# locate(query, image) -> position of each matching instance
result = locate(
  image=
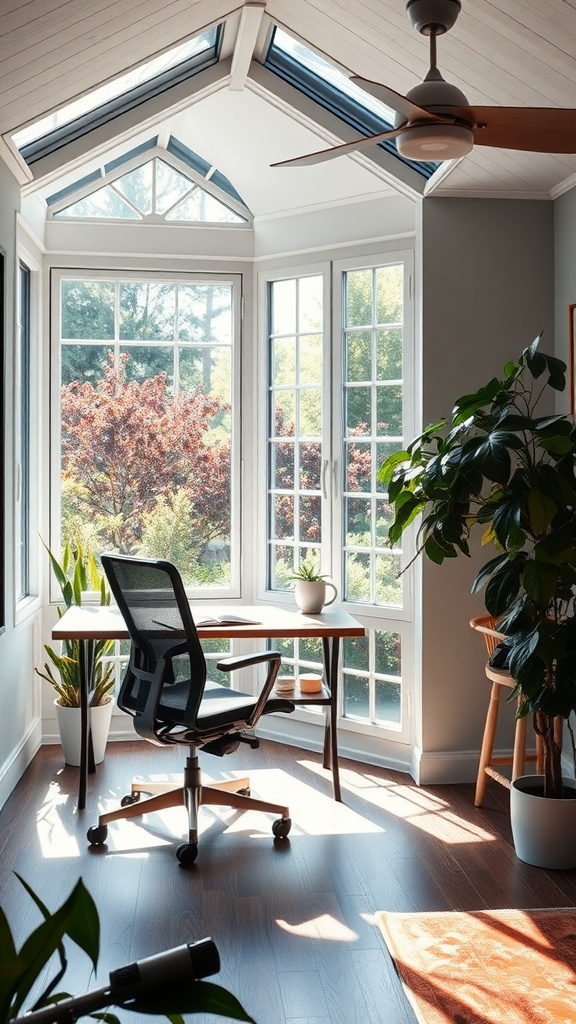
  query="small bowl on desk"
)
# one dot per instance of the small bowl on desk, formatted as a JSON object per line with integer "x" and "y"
{"x": 310, "y": 682}
{"x": 284, "y": 684}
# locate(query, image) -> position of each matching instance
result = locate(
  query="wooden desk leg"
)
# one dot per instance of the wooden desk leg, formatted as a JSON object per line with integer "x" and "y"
{"x": 86, "y": 658}
{"x": 331, "y": 651}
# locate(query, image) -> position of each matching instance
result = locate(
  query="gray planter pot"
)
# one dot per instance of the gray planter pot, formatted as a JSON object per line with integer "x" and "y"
{"x": 544, "y": 830}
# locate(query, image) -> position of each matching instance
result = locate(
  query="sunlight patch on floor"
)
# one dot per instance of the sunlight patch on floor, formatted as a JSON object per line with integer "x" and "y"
{"x": 407, "y": 801}
{"x": 324, "y": 927}
{"x": 54, "y": 838}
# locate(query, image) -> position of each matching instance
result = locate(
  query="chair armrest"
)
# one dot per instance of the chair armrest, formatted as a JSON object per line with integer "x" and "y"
{"x": 245, "y": 660}
{"x": 274, "y": 658}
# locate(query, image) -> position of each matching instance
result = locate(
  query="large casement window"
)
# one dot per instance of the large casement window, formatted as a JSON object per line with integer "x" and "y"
{"x": 146, "y": 396}
{"x": 340, "y": 399}
{"x": 22, "y": 427}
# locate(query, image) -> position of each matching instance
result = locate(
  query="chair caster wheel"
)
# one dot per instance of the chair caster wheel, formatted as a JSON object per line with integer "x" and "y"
{"x": 130, "y": 798}
{"x": 187, "y": 853}
{"x": 281, "y": 828}
{"x": 96, "y": 835}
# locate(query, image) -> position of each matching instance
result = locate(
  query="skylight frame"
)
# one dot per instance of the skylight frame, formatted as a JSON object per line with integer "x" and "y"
{"x": 337, "y": 101}
{"x": 100, "y": 115}
{"x": 134, "y": 159}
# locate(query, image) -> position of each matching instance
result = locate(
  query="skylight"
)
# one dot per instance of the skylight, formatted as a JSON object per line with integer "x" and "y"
{"x": 154, "y": 191}
{"x": 333, "y": 90}
{"x": 103, "y": 104}
{"x": 330, "y": 73}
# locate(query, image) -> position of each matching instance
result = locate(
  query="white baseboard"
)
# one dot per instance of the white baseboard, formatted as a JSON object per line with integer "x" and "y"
{"x": 14, "y": 767}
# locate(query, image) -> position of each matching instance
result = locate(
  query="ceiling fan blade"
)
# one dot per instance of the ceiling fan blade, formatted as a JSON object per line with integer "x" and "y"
{"x": 531, "y": 129}
{"x": 411, "y": 111}
{"x": 347, "y": 147}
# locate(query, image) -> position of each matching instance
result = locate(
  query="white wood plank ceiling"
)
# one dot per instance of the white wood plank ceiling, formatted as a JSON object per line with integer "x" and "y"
{"x": 501, "y": 52}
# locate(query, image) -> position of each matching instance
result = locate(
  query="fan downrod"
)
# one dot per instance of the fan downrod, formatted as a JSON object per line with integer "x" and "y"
{"x": 433, "y": 16}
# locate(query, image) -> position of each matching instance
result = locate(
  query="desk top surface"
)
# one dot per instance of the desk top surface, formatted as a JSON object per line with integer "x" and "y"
{"x": 95, "y": 622}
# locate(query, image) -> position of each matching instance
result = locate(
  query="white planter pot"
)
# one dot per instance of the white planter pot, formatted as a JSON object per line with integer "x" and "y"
{"x": 70, "y": 731}
{"x": 310, "y": 595}
{"x": 543, "y": 829}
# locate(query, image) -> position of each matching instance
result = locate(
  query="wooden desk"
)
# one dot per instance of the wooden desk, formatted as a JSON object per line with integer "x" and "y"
{"x": 89, "y": 623}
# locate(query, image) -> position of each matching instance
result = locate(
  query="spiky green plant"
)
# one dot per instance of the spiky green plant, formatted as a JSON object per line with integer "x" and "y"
{"x": 307, "y": 570}
{"x": 76, "y": 573}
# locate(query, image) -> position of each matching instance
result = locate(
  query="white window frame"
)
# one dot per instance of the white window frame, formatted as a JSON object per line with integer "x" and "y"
{"x": 193, "y": 276}
{"x": 27, "y": 604}
{"x": 399, "y": 620}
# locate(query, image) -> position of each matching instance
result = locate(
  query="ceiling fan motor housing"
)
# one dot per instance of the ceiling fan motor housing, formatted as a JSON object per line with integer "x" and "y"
{"x": 435, "y": 141}
{"x": 428, "y": 16}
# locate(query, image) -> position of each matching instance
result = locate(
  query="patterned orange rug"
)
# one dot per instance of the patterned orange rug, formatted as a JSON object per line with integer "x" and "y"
{"x": 489, "y": 967}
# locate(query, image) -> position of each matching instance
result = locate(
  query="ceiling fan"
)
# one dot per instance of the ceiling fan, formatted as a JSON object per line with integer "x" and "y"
{"x": 434, "y": 121}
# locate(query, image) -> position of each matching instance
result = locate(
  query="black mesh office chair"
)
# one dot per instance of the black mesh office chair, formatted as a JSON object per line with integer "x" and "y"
{"x": 166, "y": 691}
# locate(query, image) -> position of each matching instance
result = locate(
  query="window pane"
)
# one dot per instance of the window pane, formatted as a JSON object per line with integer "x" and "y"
{"x": 146, "y": 361}
{"x": 170, "y": 186}
{"x": 310, "y": 304}
{"x": 284, "y": 307}
{"x": 389, "y": 354}
{"x": 359, "y": 297}
{"x": 147, "y": 428}
{"x": 201, "y": 206}
{"x": 359, "y": 356}
{"x": 205, "y": 313}
{"x": 137, "y": 187}
{"x": 389, "y": 294}
{"x": 311, "y": 359}
{"x": 208, "y": 368}
{"x": 283, "y": 361}
{"x": 105, "y": 203}
{"x": 147, "y": 311}
{"x": 389, "y": 410}
{"x": 87, "y": 309}
{"x": 85, "y": 362}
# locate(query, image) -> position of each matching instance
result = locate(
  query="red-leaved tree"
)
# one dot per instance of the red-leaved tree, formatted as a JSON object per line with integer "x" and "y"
{"x": 128, "y": 446}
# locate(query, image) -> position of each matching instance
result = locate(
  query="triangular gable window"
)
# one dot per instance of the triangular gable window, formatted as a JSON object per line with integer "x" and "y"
{"x": 154, "y": 191}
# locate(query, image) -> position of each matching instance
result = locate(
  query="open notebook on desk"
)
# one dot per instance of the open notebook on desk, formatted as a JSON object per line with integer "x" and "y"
{"x": 226, "y": 620}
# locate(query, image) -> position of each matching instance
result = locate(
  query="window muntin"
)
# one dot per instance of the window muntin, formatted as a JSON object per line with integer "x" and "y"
{"x": 332, "y": 89}
{"x": 22, "y": 431}
{"x": 295, "y": 425}
{"x": 103, "y": 104}
{"x": 149, "y": 420}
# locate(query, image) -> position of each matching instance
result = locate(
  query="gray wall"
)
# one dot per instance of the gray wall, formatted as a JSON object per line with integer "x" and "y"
{"x": 487, "y": 291}
{"x": 564, "y": 269}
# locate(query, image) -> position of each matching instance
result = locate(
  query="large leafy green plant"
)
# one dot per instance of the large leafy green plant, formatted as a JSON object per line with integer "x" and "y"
{"x": 77, "y": 918}
{"x": 497, "y": 465}
{"x": 75, "y": 574}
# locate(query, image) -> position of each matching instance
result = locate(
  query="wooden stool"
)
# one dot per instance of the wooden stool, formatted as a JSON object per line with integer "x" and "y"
{"x": 489, "y": 764}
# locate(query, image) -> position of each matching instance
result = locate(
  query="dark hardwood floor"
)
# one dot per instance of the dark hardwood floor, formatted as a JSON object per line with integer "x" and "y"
{"x": 295, "y": 922}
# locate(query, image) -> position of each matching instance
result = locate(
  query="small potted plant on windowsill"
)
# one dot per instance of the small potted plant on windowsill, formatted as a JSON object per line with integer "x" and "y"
{"x": 498, "y": 465}
{"x": 77, "y": 573}
{"x": 310, "y": 588}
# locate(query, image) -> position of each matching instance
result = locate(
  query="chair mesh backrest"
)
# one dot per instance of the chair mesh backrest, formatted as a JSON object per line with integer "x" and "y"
{"x": 151, "y": 596}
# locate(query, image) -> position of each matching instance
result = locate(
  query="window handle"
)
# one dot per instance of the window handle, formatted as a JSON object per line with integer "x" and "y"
{"x": 325, "y": 469}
